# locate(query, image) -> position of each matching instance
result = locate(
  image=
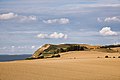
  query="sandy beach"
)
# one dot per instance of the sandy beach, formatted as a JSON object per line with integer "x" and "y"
{"x": 81, "y": 65}
{"x": 59, "y": 39}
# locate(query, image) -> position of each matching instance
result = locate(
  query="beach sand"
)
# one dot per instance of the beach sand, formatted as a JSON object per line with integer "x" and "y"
{"x": 76, "y": 65}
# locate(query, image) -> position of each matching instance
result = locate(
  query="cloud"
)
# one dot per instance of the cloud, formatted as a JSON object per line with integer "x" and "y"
{"x": 106, "y": 31}
{"x": 99, "y": 20}
{"x": 58, "y": 35}
{"x": 28, "y": 18}
{"x": 21, "y": 18}
{"x": 104, "y": 5}
{"x": 7, "y": 16}
{"x": 97, "y": 5}
{"x": 111, "y": 19}
{"x": 116, "y": 43}
{"x": 54, "y": 35}
{"x": 13, "y": 46}
{"x": 42, "y": 36}
{"x": 32, "y": 47}
{"x": 57, "y": 21}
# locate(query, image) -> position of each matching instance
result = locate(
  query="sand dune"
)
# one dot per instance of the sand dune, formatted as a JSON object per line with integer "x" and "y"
{"x": 85, "y": 66}
{"x": 88, "y": 54}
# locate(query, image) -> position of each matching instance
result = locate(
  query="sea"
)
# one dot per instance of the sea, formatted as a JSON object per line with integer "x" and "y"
{"x": 6, "y": 58}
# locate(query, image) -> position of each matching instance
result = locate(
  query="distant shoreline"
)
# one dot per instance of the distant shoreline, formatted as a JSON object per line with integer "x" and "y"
{"x": 5, "y": 58}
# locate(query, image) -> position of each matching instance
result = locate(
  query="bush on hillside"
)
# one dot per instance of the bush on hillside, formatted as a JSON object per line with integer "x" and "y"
{"x": 56, "y": 55}
{"x": 98, "y": 57}
{"x": 113, "y": 56}
{"x": 106, "y": 56}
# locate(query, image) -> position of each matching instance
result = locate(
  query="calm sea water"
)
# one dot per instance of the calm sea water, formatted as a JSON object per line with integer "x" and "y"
{"x": 4, "y": 58}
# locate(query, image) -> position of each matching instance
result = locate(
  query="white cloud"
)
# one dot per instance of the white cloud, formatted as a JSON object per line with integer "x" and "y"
{"x": 32, "y": 47}
{"x": 7, "y": 16}
{"x": 106, "y": 31}
{"x": 57, "y": 21}
{"x": 54, "y": 35}
{"x": 58, "y": 35}
{"x": 27, "y": 18}
{"x": 97, "y": 5}
{"x": 13, "y": 46}
{"x": 62, "y": 43}
{"x": 104, "y": 5}
{"x": 22, "y": 47}
{"x": 22, "y": 18}
{"x": 116, "y": 43}
{"x": 99, "y": 20}
{"x": 111, "y": 19}
{"x": 42, "y": 36}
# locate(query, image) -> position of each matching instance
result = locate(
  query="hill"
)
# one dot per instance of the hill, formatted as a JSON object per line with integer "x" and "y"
{"x": 50, "y": 50}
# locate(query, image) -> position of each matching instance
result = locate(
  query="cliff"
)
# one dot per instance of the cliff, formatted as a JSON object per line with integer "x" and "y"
{"x": 50, "y": 50}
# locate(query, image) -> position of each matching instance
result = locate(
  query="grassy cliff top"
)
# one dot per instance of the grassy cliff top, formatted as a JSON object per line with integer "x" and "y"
{"x": 51, "y": 50}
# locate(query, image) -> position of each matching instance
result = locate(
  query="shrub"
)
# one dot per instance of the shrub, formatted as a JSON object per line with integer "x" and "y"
{"x": 74, "y": 57}
{"x": 106, "y": 57}
{"x": 40, "y": 57}
{"x": 98, "y": 57}
{"x": 56, "y": 55}
{"x": 113, "y": 56}
{"x": 30, "y": 58}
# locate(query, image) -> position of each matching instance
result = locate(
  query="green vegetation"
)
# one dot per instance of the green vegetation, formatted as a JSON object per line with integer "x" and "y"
{"x": 113, "y": 56}
{"x": 50, "y": 50}
{"x": 98, "y": 57}
{"x": 30, "y": 58}
{"x": 110, "y": 46}
{"x": 106, "y": 56}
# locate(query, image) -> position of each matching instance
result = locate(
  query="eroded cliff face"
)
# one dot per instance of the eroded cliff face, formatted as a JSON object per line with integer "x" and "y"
{"x": 40, "y": 51}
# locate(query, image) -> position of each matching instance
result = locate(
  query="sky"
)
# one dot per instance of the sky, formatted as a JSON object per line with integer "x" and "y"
{"x": 26, "y": 25}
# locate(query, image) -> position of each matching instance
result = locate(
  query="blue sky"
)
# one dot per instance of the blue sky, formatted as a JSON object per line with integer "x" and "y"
{"x": 25, "y": 25}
